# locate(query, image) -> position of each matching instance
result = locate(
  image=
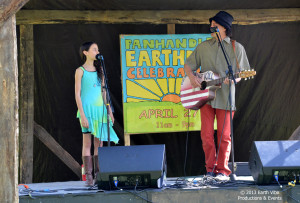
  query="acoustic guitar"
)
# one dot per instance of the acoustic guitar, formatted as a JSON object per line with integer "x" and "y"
{"x": 195, "y": 98}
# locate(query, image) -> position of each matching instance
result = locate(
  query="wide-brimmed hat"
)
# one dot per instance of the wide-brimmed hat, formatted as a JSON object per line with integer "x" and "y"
{"x": 223, "y": 18}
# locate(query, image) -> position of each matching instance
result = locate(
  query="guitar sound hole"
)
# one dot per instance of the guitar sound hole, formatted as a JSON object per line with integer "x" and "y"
{"x": 203, "y": 85}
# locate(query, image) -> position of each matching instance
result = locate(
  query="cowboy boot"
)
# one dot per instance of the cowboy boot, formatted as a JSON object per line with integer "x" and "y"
{"x": 88, "y": 167}
{"x": 96, "y": 167}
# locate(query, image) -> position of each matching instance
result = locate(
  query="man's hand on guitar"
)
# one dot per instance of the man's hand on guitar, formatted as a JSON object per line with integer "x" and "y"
{"x": 195, "y": 81}
{"x": 226, "y": 81}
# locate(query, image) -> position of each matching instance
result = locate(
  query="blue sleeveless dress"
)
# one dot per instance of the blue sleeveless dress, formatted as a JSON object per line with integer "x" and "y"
{"x": 94, "y": 108}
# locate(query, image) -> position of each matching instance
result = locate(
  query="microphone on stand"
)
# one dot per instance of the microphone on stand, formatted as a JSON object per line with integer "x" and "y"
{"x": 217, "y": 32}
{"x": 99, "y": 57}
{"x": 214, "y": 29}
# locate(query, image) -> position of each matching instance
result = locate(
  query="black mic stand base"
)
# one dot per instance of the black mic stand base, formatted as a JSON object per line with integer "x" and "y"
{"x": 232, "y": 177}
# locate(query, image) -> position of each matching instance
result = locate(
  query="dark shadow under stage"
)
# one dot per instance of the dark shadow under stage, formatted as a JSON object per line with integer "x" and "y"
{"x": 177, "y": 190}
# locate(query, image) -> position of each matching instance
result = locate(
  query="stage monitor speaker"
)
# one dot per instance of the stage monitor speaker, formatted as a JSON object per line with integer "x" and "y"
{"x": 129, "y": 167}
{"x": 274, "y": 158}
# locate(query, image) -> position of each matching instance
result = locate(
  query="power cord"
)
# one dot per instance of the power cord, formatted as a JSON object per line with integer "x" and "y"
{"x": 28, "y": 191}
{"x": 134, "y": 193}
{"x": 290, "y": 185}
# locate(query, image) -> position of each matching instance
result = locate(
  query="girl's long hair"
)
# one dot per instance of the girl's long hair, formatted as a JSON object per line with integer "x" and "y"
{"x": 85, "y": 47}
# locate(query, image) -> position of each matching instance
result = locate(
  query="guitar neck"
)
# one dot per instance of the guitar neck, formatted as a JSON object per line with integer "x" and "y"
{"x": 220, "y": 80}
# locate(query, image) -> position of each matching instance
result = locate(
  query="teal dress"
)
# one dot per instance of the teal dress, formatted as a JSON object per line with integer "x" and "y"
{"x": 94, "y": 108}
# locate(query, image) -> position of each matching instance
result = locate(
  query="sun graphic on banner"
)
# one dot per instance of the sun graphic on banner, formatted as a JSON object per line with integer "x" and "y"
{"x": 161, "y": 90}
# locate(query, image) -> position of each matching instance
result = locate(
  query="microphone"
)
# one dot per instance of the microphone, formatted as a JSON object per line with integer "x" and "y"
{"x": 99, "y": 57}
{"x": 213, "y": 29}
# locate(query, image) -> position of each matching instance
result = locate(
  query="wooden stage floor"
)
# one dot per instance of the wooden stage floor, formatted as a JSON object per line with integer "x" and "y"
{"x": 176, "y": 190}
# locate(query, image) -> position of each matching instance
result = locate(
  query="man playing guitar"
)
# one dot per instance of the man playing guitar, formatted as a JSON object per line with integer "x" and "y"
{"x": 209, "y": 56}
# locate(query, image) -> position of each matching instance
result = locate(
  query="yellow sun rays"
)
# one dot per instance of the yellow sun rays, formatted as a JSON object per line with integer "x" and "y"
{"x": 165, "y": 89}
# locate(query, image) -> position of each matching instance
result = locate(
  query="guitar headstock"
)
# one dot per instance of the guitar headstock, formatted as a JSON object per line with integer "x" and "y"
{"x": 247, "y": 74}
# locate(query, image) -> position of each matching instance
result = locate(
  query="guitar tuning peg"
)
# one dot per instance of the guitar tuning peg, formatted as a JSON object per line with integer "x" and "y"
{"x": 246, "y": 78}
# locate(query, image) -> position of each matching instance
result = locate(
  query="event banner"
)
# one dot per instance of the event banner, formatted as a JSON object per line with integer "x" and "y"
{"x": 152, "y": 72}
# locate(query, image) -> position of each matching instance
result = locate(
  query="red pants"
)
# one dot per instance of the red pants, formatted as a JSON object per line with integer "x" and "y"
{"x": 207, "y": 135}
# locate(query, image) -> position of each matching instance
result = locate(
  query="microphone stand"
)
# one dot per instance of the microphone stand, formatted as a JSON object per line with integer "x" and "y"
{"x": 108, "y": 101}
{"x": 231, "y": 77}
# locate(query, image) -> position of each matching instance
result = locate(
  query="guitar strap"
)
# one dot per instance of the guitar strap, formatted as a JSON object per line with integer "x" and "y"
{"x": 233, "y": 45}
